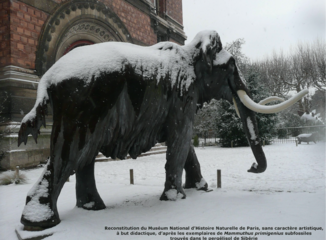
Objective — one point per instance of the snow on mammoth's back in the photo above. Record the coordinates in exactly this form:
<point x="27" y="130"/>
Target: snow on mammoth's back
<point x="90" y="61"/>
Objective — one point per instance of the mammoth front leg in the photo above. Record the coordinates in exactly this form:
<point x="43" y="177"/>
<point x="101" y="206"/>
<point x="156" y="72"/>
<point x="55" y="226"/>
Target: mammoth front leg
<point x="194" y="179"/>
<point x="178" y="147"/>
<point x="86" y="191"/>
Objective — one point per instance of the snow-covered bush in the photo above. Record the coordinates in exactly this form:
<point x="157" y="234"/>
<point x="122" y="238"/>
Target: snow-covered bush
<point x="10" y="177"/>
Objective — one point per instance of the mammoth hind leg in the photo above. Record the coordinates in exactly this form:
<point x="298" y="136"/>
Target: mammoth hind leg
<point x="86" y="191"/>
<point x="40" y="211"/>
<point x="194" y="179"/>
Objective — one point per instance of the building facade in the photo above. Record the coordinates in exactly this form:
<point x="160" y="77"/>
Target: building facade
<point x="35" y="34"/>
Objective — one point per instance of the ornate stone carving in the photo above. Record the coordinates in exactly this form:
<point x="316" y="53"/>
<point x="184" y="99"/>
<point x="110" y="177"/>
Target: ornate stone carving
<point x="90" y="28"/>
<point x="84" y="19"/>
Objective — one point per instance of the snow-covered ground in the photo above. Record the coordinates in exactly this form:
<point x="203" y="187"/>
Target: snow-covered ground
<point x="291" y="193"/>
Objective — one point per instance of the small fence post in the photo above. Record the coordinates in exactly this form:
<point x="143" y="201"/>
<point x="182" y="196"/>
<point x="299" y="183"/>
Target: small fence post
<point x="264" y="143"/>
<point x="131" y="176"/>
<point x="17" y="172"/>
<point x="296" y="142"/>
<point x="219" y="178"/>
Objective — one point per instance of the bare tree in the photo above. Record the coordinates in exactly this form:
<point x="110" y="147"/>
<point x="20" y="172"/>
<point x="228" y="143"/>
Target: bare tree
<point x="235" y="48"/>
<point x="275" y="72"/>
<point x="303" y="68"/>
<point x="319" y="60"/>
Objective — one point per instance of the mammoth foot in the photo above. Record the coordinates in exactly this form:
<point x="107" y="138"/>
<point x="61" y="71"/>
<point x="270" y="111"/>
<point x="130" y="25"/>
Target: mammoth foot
<point x="172" y="194"/>
<point x="41" y="225"/>
<point x="93" y="206"/>
<point x="201" y="185"/>
<point x="40" y="211"/>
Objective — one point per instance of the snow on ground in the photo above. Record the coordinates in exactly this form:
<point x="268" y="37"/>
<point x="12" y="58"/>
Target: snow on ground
<point x="291" y="193"/>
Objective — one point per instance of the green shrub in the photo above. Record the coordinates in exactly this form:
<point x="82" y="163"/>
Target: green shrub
<point x="196" y="141"/>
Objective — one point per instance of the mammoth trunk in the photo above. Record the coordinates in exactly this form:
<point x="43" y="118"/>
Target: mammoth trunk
<point x="250" y="127"/>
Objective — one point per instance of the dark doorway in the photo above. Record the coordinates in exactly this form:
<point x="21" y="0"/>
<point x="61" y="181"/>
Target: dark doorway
<point x="77" y="44"/>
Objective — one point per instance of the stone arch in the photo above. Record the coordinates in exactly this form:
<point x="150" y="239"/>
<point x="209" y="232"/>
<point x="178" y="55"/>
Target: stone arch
<point x="76" y="20"/>
<point x="86" y="28"/>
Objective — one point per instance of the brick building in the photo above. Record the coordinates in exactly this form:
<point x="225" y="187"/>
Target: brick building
<point x="35" y="34"/>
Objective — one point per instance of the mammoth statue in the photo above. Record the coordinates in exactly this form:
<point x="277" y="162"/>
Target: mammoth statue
<point x="119" y="99"/>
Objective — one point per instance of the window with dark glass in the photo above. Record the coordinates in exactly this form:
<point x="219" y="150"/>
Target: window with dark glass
<point x="161" y="8"/>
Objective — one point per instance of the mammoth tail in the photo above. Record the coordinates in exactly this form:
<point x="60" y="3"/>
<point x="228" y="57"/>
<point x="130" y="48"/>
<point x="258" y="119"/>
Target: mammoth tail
<point x="33" y="121"/>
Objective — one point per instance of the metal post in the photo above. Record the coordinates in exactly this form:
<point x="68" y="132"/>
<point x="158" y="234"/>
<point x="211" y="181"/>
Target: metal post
<point x="219" y="178"/>
<point x="131" y="176"/>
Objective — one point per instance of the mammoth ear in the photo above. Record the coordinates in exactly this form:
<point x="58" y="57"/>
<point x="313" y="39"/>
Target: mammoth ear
<point x="209" y="43"/>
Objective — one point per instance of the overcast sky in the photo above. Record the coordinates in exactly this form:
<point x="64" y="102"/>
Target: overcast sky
<point x="266" y="25"/>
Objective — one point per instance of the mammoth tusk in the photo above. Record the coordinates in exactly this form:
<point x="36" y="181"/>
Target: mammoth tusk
<point x="270" y="99"/>
<point x="262" y="102"/>
<point x="246" y="100"/>
<point x="236" y="107"/>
